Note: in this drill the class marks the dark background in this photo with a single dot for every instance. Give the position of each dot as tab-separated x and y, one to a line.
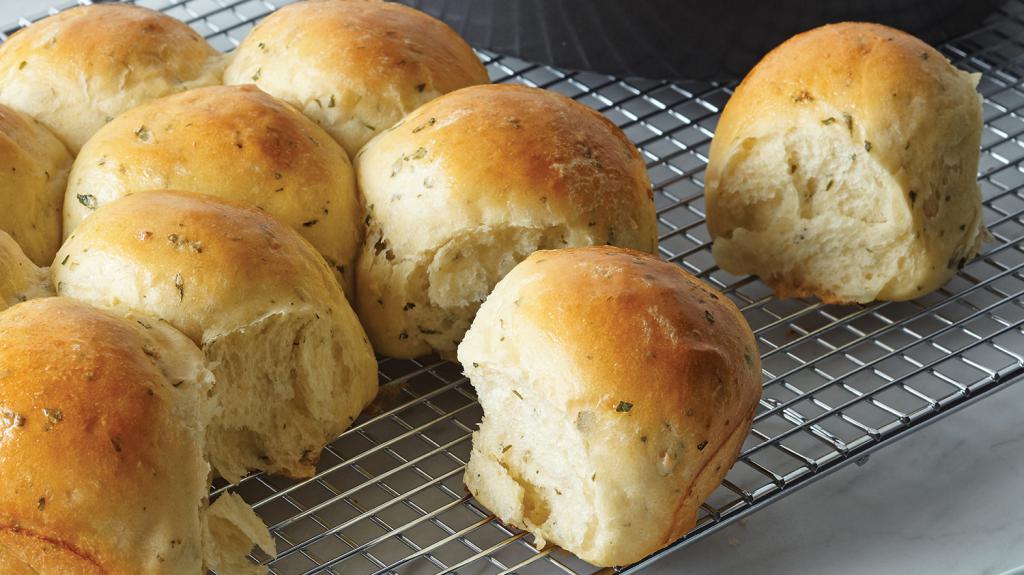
679	39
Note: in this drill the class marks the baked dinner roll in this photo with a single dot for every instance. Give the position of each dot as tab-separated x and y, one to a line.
20	279
354	66
74	71
469	185
234	142
293	366
32	182
617	391
844	167
101	443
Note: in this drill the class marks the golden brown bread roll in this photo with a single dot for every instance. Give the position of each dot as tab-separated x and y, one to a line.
78	69
617	392
32	182
844	167
293	366
101	444
354	66
233	142
469	185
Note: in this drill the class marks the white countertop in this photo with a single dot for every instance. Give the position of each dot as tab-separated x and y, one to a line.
947	499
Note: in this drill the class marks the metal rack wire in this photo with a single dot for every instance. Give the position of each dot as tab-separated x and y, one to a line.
840	381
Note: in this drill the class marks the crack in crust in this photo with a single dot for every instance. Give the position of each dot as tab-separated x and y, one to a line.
62	545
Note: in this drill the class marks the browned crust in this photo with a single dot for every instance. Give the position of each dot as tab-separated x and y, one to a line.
240	122
86	412
241	126
396	45
613	325
830	63
707	480
48	554
226	243
101	38
524	141
84	358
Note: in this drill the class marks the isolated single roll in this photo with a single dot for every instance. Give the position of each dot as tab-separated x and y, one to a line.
101	444
20	279
78	69
293	366
844	167
354	66
233	142
469	185
617	392
32	181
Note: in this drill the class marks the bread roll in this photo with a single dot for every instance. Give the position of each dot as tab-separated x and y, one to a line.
20	279
101	444
844	167
78	69
232	142
354	66
32	182
469	185
617	391
292	364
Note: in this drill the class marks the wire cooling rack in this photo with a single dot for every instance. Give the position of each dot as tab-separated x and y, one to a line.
840	381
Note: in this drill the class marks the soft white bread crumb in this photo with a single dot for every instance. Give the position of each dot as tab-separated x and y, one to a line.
32	184
233	142
469	185
355	67
78	69
617	391
844	167
125	397
20	279
232	528
293	365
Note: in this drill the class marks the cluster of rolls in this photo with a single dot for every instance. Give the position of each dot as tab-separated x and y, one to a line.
178	252
230	238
